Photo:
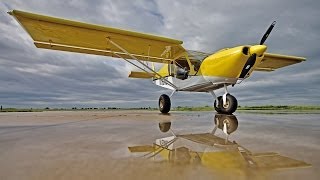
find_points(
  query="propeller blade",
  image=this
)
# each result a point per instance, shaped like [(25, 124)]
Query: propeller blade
[(265, 36), (249, 64)]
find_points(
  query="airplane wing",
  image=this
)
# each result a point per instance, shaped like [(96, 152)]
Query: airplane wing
[(271, 62), (65, 35)]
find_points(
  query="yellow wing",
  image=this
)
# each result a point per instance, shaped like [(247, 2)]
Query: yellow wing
[(65, 35), (270, 62)]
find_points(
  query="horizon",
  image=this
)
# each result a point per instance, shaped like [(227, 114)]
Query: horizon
[(147, 107)]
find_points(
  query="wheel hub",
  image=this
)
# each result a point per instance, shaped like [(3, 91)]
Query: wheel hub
[(161, 104), (226, 105)]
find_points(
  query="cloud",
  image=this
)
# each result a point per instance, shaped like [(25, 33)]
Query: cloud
[(38, 78)]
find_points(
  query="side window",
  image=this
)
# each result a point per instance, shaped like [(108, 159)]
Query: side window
[(182, 70), (196, 65), (171, 69)]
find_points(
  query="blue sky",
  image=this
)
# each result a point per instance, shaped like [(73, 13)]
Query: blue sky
[(32, 77)]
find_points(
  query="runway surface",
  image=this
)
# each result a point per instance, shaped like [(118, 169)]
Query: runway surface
[(94, 145)]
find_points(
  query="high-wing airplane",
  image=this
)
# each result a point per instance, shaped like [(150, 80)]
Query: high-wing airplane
[(183, 70)]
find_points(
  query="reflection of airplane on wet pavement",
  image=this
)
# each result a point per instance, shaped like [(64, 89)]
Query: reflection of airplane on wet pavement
[(212, 151)]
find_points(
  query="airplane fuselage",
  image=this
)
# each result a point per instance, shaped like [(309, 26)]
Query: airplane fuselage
[(226, 66)]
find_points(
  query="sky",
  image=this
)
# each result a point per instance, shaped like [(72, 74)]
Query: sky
[(32, 77)]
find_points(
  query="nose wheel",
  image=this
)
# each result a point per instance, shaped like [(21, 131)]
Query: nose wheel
[(229, 107), (164, 103)]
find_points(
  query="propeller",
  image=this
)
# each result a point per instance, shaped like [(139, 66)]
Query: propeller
[(255, 51), (266, 35)]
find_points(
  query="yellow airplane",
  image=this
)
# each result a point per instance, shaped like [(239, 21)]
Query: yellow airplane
[(183, 70)]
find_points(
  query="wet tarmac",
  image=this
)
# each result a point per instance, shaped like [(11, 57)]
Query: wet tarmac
[(131, 145)]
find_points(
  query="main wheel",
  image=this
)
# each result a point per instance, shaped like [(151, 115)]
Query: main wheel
[(164, 103), (230, 106), (218, 109)]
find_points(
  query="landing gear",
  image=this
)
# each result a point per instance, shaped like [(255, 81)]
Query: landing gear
[(229, 107), (164, 103), (226, 104)]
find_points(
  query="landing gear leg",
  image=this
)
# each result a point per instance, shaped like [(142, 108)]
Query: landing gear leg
[(229, 103), (164, 103)]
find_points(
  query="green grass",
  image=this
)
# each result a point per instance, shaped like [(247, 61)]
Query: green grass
[(71, 109), (191, 108), (271, 107), (280, 109), (268, 109), (21, 110)]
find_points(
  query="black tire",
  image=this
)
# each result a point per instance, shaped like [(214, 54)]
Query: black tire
[(218, 109), (164, 103), (231, 105)]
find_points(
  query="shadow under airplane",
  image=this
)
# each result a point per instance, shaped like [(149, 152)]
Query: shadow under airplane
[(214, 152)]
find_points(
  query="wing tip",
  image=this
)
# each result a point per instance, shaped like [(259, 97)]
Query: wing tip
[(13, 12)]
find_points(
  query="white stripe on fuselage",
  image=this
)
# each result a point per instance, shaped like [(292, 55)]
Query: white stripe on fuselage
[(197, 83)]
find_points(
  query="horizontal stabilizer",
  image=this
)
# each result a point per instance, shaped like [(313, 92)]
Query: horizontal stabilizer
[(144, 75)]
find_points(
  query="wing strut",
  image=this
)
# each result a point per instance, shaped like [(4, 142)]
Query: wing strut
[(144, 65)]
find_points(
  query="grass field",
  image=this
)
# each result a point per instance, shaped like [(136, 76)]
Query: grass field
[(269, 109)]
